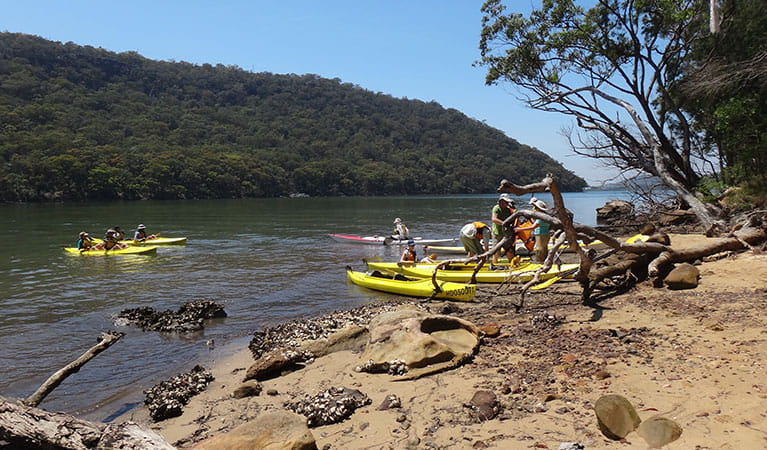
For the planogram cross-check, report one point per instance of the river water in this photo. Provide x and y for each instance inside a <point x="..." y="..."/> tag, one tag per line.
<point x="265" y="260"/>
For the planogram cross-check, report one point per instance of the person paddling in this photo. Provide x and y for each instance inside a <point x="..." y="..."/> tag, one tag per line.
<point x="141" y="234"/>
<point x="84" y="242"/>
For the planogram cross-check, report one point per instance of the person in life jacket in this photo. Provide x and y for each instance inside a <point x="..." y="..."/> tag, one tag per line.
<point x="111" y="242"/>
<point x="475" y="237"/>
<point x="541" y="231"/>
<point x="141" y="235"/>
<point x="84" y="241"/>
<point x="408" y="256"/>
<point x="400" y="230"/>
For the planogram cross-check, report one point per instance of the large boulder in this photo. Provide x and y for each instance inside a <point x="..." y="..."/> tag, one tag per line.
<point x="277" y="362"/>
<point x="351" y="338"/>
<point x="616" y="416"/>
<point x="418" y="343"/>
<point x="616" y="212"/>
<point x="683" y="276"/>
<point x="279" y="430"/>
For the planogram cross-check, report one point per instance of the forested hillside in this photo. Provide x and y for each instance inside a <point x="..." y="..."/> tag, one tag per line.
<point x="78" y="123"/>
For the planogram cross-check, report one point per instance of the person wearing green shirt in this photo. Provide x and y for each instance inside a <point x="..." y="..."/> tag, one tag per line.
<point x="501" y="212"/>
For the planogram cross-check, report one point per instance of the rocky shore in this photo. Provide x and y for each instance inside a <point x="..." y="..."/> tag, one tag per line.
<point x="696" y="357"/>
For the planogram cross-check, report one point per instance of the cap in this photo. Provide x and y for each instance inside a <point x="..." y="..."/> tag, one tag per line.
<point x="397" y="220"/>
<point x="140" y="226"/>
<point x="83" y="234"/>
<point x="540" y="204"/>
<point x="411" y="242"/>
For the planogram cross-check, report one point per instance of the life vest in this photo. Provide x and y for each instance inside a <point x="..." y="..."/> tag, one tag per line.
<point x="526" y="236"/>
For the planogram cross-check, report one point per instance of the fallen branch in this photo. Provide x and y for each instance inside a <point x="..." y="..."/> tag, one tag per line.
<point x="27" y="427"/>
<point x="105" y="341"/>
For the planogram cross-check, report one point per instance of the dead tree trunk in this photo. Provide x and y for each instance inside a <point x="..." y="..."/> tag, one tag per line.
<point x="28" y="427"/>
<point x="660" y="253"/>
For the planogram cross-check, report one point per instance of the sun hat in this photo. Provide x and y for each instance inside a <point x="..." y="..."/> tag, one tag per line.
<point x="397" y="220"/>
<point x="533" y="200"/>
<point x="411" y="242"/>
<point x="506" y="198"/>
<point x="140" y="226"/>
<point x="540" y="204"/>
<point x="83" y="234"/>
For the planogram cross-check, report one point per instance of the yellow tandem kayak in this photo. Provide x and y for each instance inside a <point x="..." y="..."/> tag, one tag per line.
<point x="412" y="287"/>
<point x="119" y="251"/>
<point x="520" y="274"/>
<point x="151" y="242"/>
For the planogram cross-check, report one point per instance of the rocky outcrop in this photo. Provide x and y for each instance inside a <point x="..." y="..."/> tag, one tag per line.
<point x="413" y="343"/>
<point x="168" y="398"/>
<point x="279" y="430"/>
<point x="189" y="317"/>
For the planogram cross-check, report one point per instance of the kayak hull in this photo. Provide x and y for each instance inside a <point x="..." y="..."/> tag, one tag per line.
<point x="384" y="240"/>
<point x="151" y="242"/>
<point x="121" y="251"/>
<point x="522" y="274"/>
<point x="423" y="288"/>
<point x="393" y="267"/>
<point x="156" y="241"/>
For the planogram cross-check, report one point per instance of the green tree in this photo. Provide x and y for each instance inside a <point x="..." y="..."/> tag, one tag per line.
<point x="609" y="67"/>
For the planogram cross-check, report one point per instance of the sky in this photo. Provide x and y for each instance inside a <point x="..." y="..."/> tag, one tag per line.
<point x="422" y="49"/>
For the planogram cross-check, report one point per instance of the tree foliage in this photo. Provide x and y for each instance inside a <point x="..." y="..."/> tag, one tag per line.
<point x="611" y="67"/>
<point x="78" y="122"/>
<point x="724" y="86"/>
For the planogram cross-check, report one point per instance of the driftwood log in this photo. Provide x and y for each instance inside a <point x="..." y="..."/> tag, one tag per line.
<point x="24" y="426"/>
<point x="28" y="427"/>
<point x="105" y="341"/>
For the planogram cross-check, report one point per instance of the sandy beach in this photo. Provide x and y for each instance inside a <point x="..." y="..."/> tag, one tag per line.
<point x="694" y="356"/>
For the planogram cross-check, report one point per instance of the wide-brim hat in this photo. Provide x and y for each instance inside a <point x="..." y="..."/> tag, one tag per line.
<point x="506" y="198"/>
<point x="397" y="220"/>
<point x="540" y="204"/>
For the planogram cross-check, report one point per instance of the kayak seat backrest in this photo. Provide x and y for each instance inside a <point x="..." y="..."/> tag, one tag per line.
<point x="377" y="274"/>
<point x="401" y="277"/>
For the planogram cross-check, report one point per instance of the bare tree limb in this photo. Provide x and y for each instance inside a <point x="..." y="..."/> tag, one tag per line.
<point x="105" y="341"/>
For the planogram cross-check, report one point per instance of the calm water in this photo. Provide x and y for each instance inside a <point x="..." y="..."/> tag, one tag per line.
<point x="265" y="260"/>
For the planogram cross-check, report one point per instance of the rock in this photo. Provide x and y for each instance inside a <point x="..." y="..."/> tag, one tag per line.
<point x="491" y="330"/>
<point x="485" y="404"/>
<point x="615" y="212"/>
<point x="683" y="276"/>
<point x="420" y="342"/>
<point x="616" y="416"/>
<point x="330" y="406"/>
<point x="279" y="430"/>
<point x="571" y="446"/>
<point x="351" y="338"/>
<point x="274" y="363"/>
<point x="677" y="217"/>
<point x="391" y="401"/>
<point x="167" y="398"/>
<point x="189" y="317"/>
<point x="658" y="431"/>
<point x="249" y="388"/>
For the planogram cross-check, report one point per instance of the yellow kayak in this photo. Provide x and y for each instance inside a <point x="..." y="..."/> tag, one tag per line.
<point x="393" y="267"/>
<point x="412" y="287"/>
<point x="521" y="274"/>
<point x="151" y="242"/>
<point x="119" y="251"/>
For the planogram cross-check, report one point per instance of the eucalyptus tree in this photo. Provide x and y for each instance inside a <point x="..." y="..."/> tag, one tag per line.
<point x="610" y="66"/>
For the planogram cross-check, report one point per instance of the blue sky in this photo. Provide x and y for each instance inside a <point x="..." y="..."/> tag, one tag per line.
<point x="408" y="49"/>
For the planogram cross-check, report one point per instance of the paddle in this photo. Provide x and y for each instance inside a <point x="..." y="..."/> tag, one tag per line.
<point x="567" y="273"/>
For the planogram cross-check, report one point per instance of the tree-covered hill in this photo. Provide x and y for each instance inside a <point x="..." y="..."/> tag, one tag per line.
<point x="78" y="123"/>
